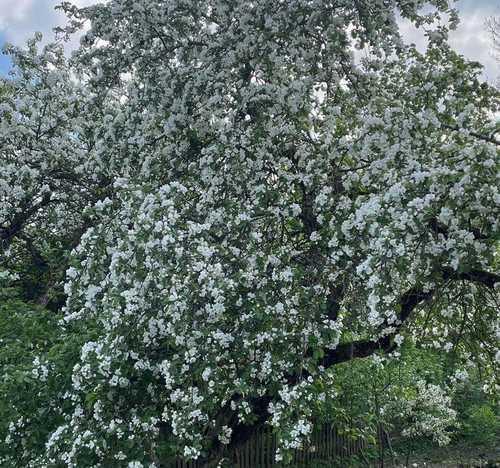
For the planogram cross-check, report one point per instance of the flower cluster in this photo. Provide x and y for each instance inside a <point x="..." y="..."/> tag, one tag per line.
<point x="426" y="413"/>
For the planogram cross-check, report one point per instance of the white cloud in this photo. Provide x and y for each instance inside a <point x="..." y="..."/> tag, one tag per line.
<point x="471" y="38"/>
<point x="13" y="11"/>
<point x="19" y="19"/>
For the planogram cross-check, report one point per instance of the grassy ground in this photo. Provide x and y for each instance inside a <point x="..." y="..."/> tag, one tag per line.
<point x="458" y="455"/>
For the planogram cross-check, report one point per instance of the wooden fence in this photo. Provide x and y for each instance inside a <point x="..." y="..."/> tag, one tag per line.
<point x="259" y="452"/>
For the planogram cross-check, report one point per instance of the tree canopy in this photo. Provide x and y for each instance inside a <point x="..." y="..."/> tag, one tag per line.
<point x="221" y="201"/>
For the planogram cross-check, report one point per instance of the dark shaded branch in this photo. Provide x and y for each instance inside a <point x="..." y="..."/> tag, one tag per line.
<point x="439" y="228"/>
<point x="476" y="276"/>
<point x="364" y="348"/>
<point x="333" y="300"/>
<point x="487" y="138"/>
<point x="20" y="219"/>
<point x="408" y="302"/>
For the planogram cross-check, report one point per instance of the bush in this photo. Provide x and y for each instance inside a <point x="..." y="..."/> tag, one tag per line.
<point x="481" y="425"/>
<point x="36" y="361"/>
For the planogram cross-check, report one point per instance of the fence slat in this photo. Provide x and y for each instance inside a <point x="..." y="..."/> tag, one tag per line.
<point x="329" y="435"/>
<point x="325" y="438"/>
<point x="263" y="454"/>
<point x="259" y="451"/>
<point x="255" y="453"/>
<point x="269" y="448"/>
<point x="249" y="446"/>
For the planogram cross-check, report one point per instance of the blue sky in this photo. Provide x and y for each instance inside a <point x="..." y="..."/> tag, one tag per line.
<point x="20" y="18"/>
<point x="4" y="60"/>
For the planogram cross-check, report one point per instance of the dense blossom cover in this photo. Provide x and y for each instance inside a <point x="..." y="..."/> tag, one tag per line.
<point x="244" y="194"/>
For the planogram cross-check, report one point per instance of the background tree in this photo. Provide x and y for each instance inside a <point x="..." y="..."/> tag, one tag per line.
<point x="48" y="174"/>
<point x="494" y="28"/>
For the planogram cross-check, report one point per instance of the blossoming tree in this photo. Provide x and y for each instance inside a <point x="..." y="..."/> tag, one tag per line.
<point x="252" y="192"/>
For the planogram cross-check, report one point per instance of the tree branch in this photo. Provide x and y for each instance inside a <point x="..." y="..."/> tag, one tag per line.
<point x="344" y="352"/>
<point x="476" y="276"/>
<point x="20" y="219"/>
<point x="488" y="139"/>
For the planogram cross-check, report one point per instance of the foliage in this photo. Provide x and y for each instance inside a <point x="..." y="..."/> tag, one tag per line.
<point x="385" y="399"/>
<point x="482" y="425"/>
<point x="232" y="207"/>
<point x="478" y="414"/>
<point x="404" y="405"/>
<point x="35" y="365"/>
